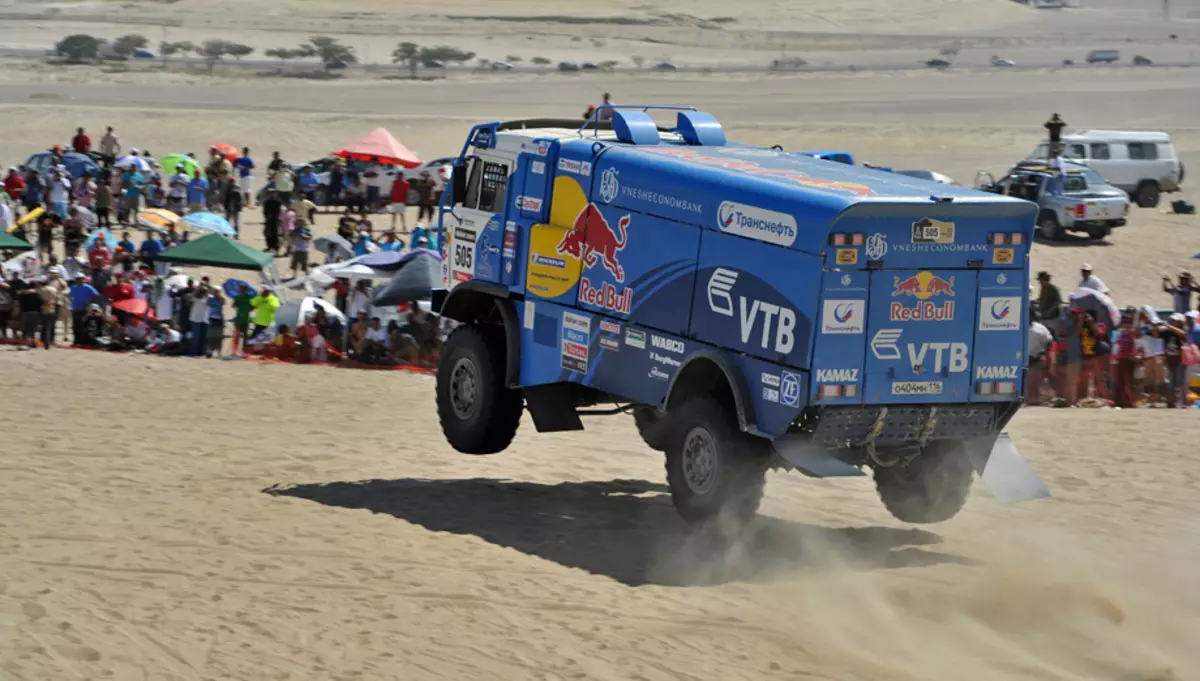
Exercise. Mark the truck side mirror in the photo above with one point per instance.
(459, 178)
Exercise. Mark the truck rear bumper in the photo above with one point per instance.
(907, 425)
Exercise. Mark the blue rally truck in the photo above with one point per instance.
(752, 308)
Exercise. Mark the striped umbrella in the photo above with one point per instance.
(157, 219)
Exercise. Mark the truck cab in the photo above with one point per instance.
(751, 308)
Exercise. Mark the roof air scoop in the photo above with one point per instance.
(700, 129)
(635, 127)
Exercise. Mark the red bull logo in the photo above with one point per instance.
(593, 240)
(923, 286)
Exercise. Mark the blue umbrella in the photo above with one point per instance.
(108, 239)
(233, 287)
(436, 255)
(209, 222)
(75, 163)
(416, 280)
(382, 260)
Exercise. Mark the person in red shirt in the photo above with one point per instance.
(399, 203)
(81, 143)
(14, 186)
(99, 256)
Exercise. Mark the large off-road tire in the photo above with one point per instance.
(478, 412)
(653, 426)
(1048, 224)
(1147, 195)
(929, 489)
(714, 470)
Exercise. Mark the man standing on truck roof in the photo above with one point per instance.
(1055, 126)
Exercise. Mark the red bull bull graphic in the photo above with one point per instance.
(923, 286)
(593, 240)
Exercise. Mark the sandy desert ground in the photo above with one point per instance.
(190, 519)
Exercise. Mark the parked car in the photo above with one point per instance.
(335, 65)
(589, 66)
(1139, 60)
(1104, 56)
(143, 54)
(666, 66)
(568, 67)
(938, 64)
(1003, 63)
(1085, 202)
(1144, 164)
(501, 66)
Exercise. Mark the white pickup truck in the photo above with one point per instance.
(1078, 202)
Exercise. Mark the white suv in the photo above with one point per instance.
(1144, 164)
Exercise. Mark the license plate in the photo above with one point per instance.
(917, 388)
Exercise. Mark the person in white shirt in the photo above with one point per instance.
(376, 181)
(360, 300)
(60, 195)
(110, 146)
(1040, 340)
(177, 194)
(1090, 280)
(374, 347)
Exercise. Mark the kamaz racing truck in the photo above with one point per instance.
(752, 308)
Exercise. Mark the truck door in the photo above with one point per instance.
(920, 327)
(473, 234)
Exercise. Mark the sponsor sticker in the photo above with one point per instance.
(635, 338)
(585, 168)
(665, 360)
(607, 326)
(532, 204)
(847, 256)
(658, 374)
(538, 168)
(917, 388)
(610, 343)
(549, 261)
(577, 322)
(770, 379)
(837, 375)
(930, 231)
(927, 311)
(543, 148)
(770, 394)
(753, 222)
(789, 389)
(922, 286)
(668, 344)
(843, 316)
(574, 344)
(1001, 313)
(1002, 256)
(995, 373)
(877, 246)
(606, 296)
(567, 165)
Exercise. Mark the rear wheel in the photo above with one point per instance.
(714, 470)
(929, 489)
(652, 426)
(1147, 195)
(1100, 233)
(478, 412)
(1051, 230)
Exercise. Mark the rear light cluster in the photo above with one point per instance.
(996, 388)
(1000, 239)
(828, 391)
(1080, 210)
(847, 239)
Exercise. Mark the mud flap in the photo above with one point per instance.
(813, 460)
(1004, 472)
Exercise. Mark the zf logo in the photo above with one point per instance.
(789, 389)
(783, 319)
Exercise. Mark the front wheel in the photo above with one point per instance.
(714, 470)
(931, 488)
(478, 412)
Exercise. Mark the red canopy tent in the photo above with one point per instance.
(380, 144)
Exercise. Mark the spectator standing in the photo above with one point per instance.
(216, 322)
(33, 191)
(82, 293)
(1089, 280)
(265, 304)
(360, 300)
(197, 193)
(375, 178)
(1054, 128)
(132, 182)
(60, 194)
(272, 207)
(14, 186)
(308, 181)
(110, 146)
(243, 305)
(1174, 336)
(425, 187)
(275, 165)
(81, 143)
(301, 241)
(233, 208)
(48, 294)
(285, 184)
(399, 204)
(287, 223)
(150, 249)
(1181, 294)
(355, 193)
(198, 319)
(8, 303)
(30, 302)
(337, 181)
(103, 205)
(245, 172)
(1040, 340)
(1126, 361)
(177, 191)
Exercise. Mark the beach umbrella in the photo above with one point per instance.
(9, 242)
(354, 270)
(334, 247)
(293, 313)
(157, 219)
(388, 261)
(229, 151)
(136, 161)
(133, 306)
(190, 165)
(208, 222)
(176, 281)
(416, 280)
(233, 287)
(1100, 305)
(104, 234)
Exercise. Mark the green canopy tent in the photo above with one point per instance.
(9, 242)
(218, 250)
